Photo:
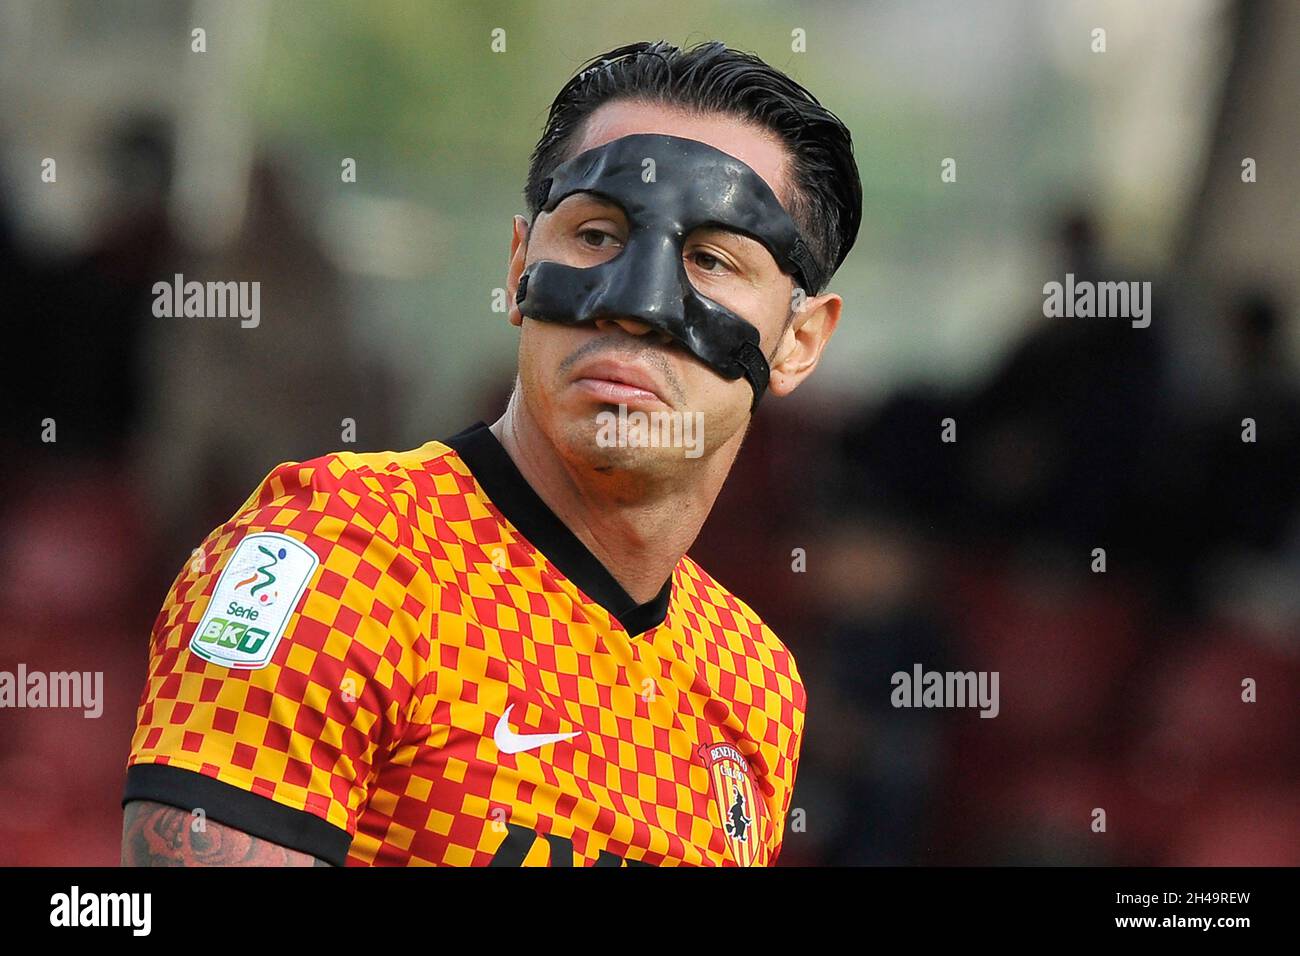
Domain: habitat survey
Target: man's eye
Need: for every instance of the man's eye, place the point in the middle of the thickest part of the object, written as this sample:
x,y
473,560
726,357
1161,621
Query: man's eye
x,y
709,261
599,234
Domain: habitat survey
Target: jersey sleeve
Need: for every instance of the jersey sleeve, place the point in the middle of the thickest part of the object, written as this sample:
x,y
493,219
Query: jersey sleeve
x,y
285,662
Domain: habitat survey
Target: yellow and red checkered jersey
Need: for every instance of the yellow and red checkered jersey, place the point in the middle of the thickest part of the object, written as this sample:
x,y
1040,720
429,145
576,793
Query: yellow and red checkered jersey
x,y
408,659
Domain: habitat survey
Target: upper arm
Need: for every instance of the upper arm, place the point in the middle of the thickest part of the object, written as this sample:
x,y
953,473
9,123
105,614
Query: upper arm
x,y
154,834
278,684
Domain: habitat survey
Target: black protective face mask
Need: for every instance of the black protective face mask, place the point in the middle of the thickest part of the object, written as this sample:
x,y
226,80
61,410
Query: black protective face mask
x,y
694,185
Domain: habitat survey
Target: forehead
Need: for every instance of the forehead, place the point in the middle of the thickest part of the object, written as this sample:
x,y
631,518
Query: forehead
x,y
758,149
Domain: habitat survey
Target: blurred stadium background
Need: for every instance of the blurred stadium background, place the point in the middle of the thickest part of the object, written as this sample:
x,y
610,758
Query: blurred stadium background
x,y
1119,690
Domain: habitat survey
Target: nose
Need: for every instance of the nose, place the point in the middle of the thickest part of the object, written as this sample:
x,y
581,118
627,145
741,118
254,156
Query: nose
x,y
630,326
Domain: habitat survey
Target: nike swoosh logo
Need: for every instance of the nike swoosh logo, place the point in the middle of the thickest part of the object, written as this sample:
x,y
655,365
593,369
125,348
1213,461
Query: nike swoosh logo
x,y
512,743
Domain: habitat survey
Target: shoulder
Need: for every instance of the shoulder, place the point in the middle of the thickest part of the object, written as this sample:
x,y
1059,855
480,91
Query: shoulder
x,y
357,516
382,489
423,502
706,597
378,473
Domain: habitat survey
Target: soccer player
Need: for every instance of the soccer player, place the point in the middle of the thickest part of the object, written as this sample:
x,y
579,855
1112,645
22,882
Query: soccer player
x,y
493,649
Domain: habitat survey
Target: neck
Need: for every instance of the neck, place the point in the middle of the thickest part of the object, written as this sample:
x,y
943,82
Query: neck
x,y
637,527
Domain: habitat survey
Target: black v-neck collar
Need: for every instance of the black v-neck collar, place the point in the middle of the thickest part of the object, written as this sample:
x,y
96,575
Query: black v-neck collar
x,y
496,472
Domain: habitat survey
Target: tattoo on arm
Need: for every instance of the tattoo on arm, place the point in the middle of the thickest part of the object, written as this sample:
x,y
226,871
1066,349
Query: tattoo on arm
x,y
154,834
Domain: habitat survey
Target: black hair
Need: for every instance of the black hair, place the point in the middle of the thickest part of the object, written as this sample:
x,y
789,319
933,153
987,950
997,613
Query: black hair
x,y
825,191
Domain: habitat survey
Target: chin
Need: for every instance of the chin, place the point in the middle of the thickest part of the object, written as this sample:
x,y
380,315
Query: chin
x,y
591,439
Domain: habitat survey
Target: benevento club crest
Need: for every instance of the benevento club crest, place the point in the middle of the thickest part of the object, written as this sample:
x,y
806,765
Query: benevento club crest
x,y
739,807
253,600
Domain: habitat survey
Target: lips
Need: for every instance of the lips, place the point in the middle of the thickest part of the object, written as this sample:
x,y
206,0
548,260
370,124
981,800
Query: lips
x,y
617,382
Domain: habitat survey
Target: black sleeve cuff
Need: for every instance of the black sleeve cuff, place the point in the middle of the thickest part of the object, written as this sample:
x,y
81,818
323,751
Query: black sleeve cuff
x,y
225,803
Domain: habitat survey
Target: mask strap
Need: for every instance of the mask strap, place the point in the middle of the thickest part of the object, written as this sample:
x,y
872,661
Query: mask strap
x,y
750,358
805,266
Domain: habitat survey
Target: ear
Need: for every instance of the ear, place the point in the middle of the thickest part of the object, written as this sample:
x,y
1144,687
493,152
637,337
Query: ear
x,y
515,268
801,346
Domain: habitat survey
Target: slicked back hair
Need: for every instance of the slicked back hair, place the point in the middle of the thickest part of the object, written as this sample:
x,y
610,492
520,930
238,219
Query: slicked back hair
x,y
825,199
